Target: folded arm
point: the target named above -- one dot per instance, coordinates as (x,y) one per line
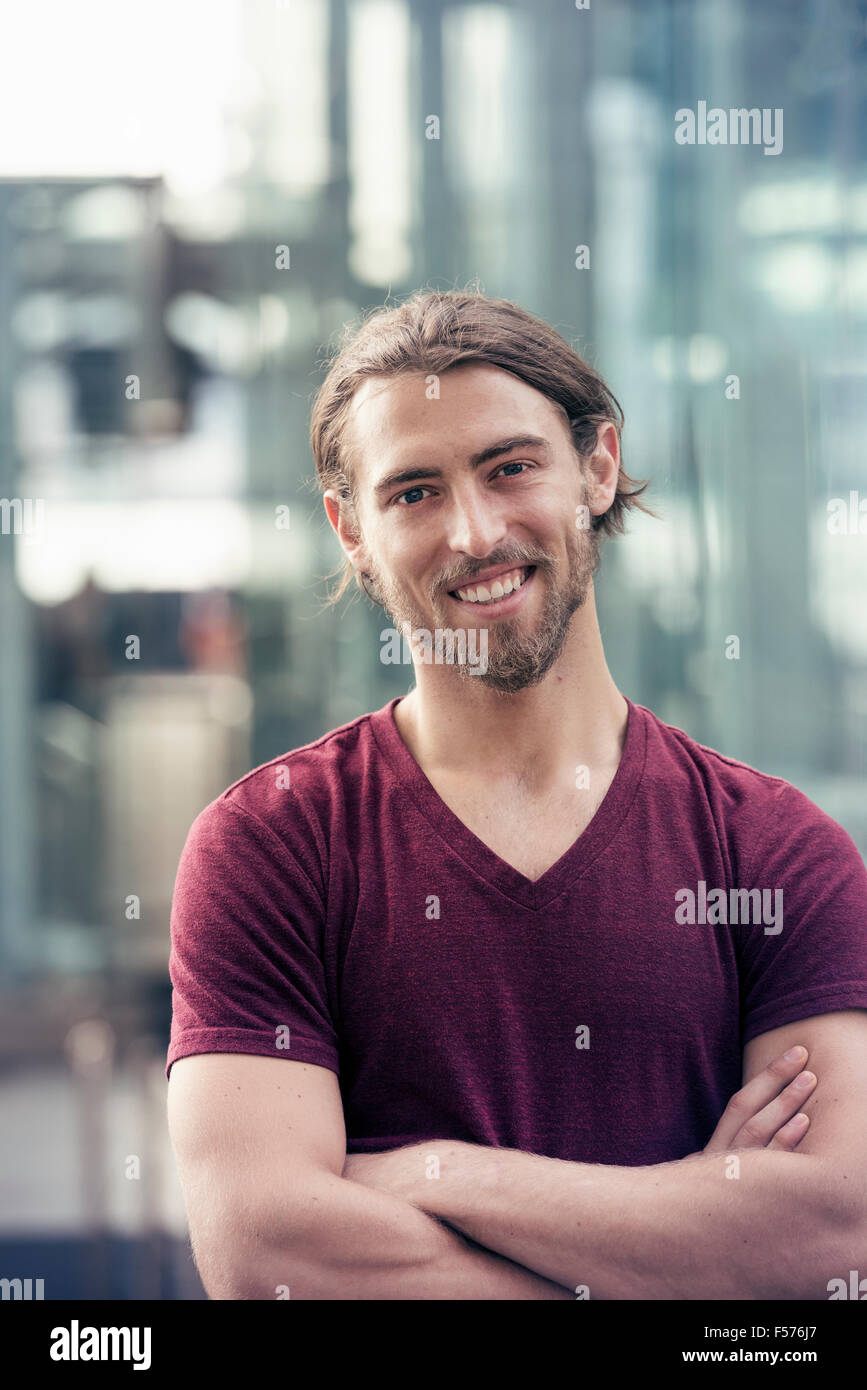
(360,1244)
(771,1224)
(680,1231)
(261,1144)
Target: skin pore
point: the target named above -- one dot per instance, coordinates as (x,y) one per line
(547,702)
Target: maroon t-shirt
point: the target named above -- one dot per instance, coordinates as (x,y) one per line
(330,908)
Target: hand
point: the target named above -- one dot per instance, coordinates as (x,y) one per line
(763,1114)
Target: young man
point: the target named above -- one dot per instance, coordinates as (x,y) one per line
(463,988)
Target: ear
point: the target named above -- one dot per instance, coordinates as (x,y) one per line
(341,514)
(604,469)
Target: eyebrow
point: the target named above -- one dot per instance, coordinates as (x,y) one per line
(503,446)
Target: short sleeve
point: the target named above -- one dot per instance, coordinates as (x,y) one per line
(810,956)
(246,962)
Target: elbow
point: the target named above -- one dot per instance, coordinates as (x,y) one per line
(261,1246)
(839,1271)
(244,1265)
(845,1257)
(227,1267)
(828,1258)
(254,1275)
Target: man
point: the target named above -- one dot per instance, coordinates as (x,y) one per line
(463,988)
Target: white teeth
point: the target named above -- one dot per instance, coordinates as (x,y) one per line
(500,587)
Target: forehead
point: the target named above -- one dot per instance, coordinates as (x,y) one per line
(397,415)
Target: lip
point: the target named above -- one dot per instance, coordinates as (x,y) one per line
(501,607)
(487,575)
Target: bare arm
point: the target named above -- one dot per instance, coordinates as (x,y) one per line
(738,1221)
(261,1145)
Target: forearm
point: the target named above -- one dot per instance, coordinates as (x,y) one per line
(683,1230)
(355,1243)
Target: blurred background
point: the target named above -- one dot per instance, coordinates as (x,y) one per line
(194,198)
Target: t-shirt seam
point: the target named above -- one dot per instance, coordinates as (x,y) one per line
(352,724)
(763,836)
(321,1053)
(753,861)
(808,998)
(721,757)
(766,777)
(284,849)
(307,1038)
(809,990)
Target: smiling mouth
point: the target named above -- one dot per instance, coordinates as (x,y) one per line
(494,591)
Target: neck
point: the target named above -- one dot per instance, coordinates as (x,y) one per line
(574,715)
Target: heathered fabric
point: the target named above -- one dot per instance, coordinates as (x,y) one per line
(330,908)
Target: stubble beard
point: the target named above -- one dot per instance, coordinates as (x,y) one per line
(518,655)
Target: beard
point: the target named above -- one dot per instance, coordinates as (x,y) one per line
(519,654)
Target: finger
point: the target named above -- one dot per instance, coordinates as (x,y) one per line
(791,1134)
(756,1094)
(760,1129)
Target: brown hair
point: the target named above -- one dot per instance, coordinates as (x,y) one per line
(433,330)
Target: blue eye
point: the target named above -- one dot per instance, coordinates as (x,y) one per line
(514,463)
(407,494)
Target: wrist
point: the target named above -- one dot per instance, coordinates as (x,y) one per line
(448,1175)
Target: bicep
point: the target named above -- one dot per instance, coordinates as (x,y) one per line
(250,1135)
(236,1105)
(837,1107)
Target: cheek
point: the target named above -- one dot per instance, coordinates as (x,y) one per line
(409,553)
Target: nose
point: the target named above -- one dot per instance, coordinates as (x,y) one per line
(475,525)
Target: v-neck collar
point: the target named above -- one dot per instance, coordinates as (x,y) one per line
(476,855)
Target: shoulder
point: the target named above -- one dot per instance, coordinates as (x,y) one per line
(314,772)
(758,814)
(296,802)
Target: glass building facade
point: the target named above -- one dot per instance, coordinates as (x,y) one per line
(191,209)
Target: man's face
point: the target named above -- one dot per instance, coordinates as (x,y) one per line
(435,518)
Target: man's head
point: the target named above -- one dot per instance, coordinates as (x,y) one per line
(457,437)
